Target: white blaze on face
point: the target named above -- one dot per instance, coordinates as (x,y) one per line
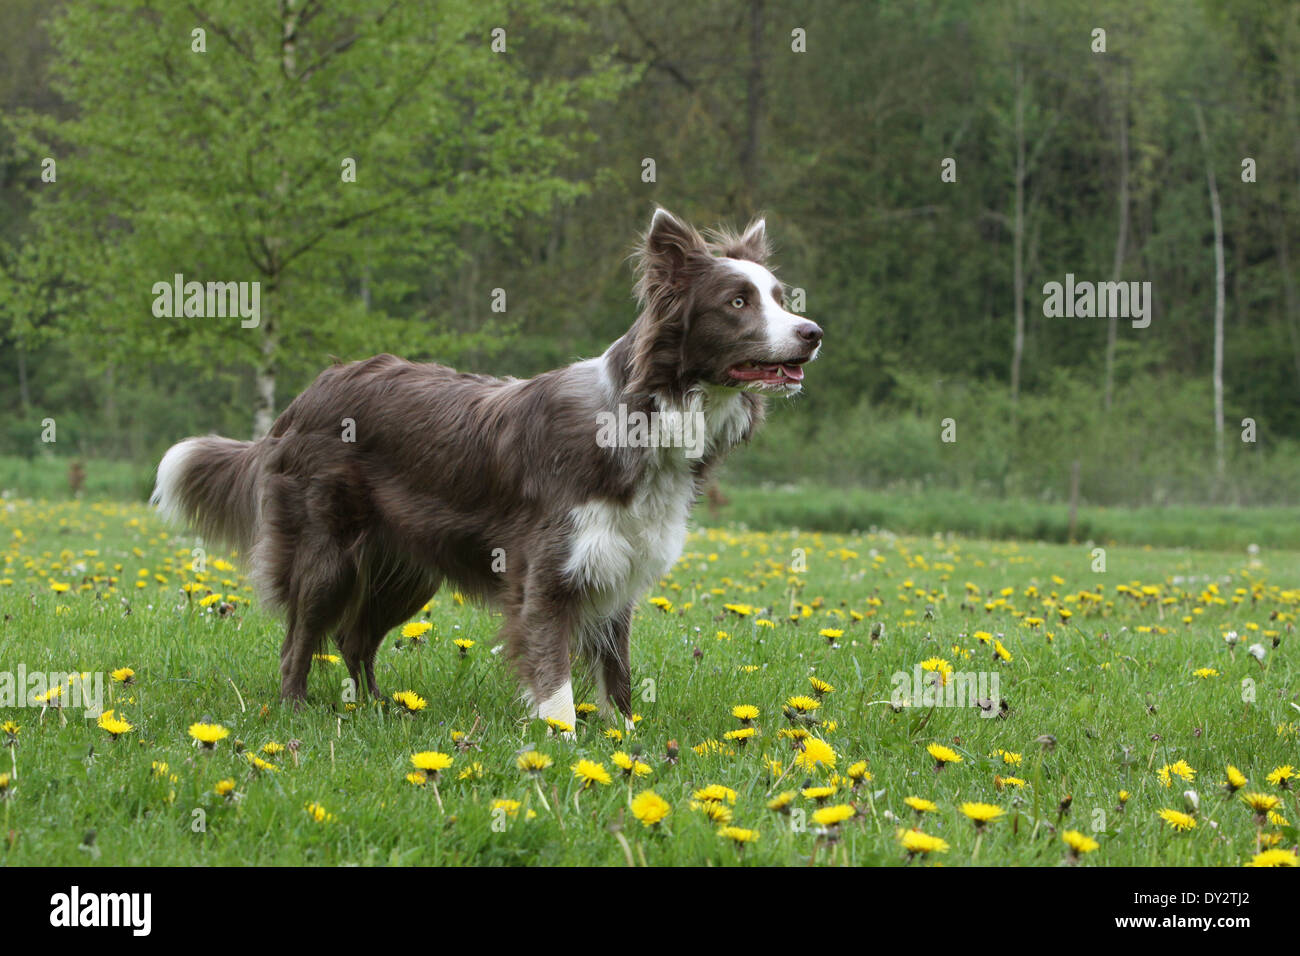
(782,338)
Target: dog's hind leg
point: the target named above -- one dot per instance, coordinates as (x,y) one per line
(391,599)
(324,578)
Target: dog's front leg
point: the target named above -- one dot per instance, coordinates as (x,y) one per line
(537,633)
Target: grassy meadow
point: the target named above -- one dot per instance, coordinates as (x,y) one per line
(1124,688)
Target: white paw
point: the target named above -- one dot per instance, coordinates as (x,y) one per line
(559,706)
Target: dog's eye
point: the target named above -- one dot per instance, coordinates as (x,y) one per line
(738,302)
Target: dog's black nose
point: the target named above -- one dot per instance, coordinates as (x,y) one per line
(810,332)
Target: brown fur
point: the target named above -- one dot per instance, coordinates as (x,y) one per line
(352,538)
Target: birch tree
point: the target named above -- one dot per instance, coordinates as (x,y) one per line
(290,144)
(1217,215)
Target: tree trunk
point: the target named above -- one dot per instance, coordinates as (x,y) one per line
(1018,236)
(1121,242)
(749,161)
(1288,291)
(264,410)
(1218,291)
(24,391)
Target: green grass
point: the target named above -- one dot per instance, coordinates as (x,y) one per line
(826,508)
(1114,687)
(46,476)
(819,508)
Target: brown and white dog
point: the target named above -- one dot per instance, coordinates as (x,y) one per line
(501,486)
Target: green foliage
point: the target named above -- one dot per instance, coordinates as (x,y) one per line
(228,163)
(522,172)
(1154,448)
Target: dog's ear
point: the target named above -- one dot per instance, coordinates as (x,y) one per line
(754,241)
(666,254)
(670,254)
(752,244)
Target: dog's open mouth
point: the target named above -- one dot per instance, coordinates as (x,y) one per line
(788,372)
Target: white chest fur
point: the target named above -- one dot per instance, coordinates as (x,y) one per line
(619,550)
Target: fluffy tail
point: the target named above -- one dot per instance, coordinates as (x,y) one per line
(211,485)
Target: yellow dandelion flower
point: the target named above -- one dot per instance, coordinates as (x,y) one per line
(416,629)
(410,701)
(209,735)
(943,755)
(738,835)
(803,704)
(781,802)
(717,812)
(937,665)
(815,752)
(1078,843)
(819,686)
(1178,820)
(1261,803)
(819,794)
(650,808)
(589,772)
(532,762)
(716,793)
(914,842)
(1277,857)
(431,762)
(318,813)
(981,814)
(1282,777)
(833,815)
(114,725)
(630,765)
(1180,769)
(510,808)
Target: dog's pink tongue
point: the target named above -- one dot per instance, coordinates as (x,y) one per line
(793,372)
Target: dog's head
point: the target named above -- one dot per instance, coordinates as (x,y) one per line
(713,314)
